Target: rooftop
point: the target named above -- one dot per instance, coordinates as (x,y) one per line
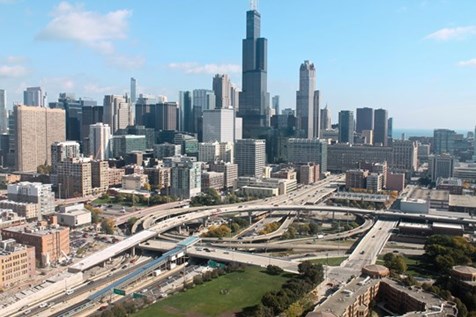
(433,194)
(462,201)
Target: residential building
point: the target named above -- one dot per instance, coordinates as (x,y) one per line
(185,176)
(33,96)
(254,97)
(307,102)
(229,170)
(133,90)
(342,157)
(100,141)
(36,128)
(99,176)
(17,264)
(115,176)
(453,185)
(423,152)
(29,211)
(51,242)
(405,156)
(308,173)
(61,151)
(215,180)
(381,127)
(75,178)
(90,114)
(36,193)
(159,176)
(395,181)
(216,151)
(275,104)
(346,126)
(250,155)
(185,115)
(374,182)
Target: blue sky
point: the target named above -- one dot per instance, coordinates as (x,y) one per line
(415,58)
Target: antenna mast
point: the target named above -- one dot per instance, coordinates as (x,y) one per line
(254,5)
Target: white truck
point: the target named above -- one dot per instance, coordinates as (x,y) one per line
(157,272)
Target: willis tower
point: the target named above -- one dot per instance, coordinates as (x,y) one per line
(254,98)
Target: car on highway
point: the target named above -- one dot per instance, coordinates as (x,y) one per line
(69,292)
(43,305)
(27,312)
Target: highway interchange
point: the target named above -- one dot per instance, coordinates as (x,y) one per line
(161,219)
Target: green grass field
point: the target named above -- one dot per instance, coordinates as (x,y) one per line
(244,289)
(331,261)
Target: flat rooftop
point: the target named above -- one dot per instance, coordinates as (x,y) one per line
(414,225)
(432,194)
(462,201)
(111,251)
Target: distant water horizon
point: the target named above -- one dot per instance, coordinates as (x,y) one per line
(397,133)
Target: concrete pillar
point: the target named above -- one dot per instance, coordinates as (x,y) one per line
(133,251)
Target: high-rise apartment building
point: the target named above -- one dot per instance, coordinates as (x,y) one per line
(254,98)
(381,127)
(365,119)
(222,89)
(346,126)
(36,128)
(124,144)
(203,99)
(33,96)
(90,115)
(3,112)
(117,112)
(234,97)
(219,125)
(133,90)
(185,176)
(216,152)
(443,141)
(74,175)
(405,156)
(99,141)
(390,128)
(166,149)
(99,176)
(250,155)
(325,119)
(307,102)
(275,104)
(61,151)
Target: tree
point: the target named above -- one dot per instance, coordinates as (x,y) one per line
(107,313)
(147,187)
(44,169)
(131,221)
(107,225)
(273,270)
(118,310)
(130,306)
(295,310)
(313,228)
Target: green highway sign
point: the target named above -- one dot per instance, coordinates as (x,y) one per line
(119,291)
(137,295)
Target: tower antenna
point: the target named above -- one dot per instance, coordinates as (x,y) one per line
(254,4)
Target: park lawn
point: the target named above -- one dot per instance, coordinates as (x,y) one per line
(244,289)
(332,261)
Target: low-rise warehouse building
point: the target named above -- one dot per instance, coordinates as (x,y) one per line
(74,216)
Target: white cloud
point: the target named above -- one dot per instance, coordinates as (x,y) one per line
(12,70)
(445,34)
(196,68)
(127,62)
(468,63)
(15,59)
(96,89)
(64,83)
(71,22)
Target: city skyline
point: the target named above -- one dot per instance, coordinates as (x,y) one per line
(412,58)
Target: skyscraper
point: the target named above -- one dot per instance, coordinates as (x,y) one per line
(33,96)
(390,128)
(99,140)
(185,112)
(346,126)
(275,103)
(203,99)
(365,119)
(234,97)
(90,115)
(219,125)
(3,112)
(307,102)
(222,89)
(133,90)
(117,112)
(443,141)
(36,128)
(381,127)
(61,151)
(325,119)
(254,98)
